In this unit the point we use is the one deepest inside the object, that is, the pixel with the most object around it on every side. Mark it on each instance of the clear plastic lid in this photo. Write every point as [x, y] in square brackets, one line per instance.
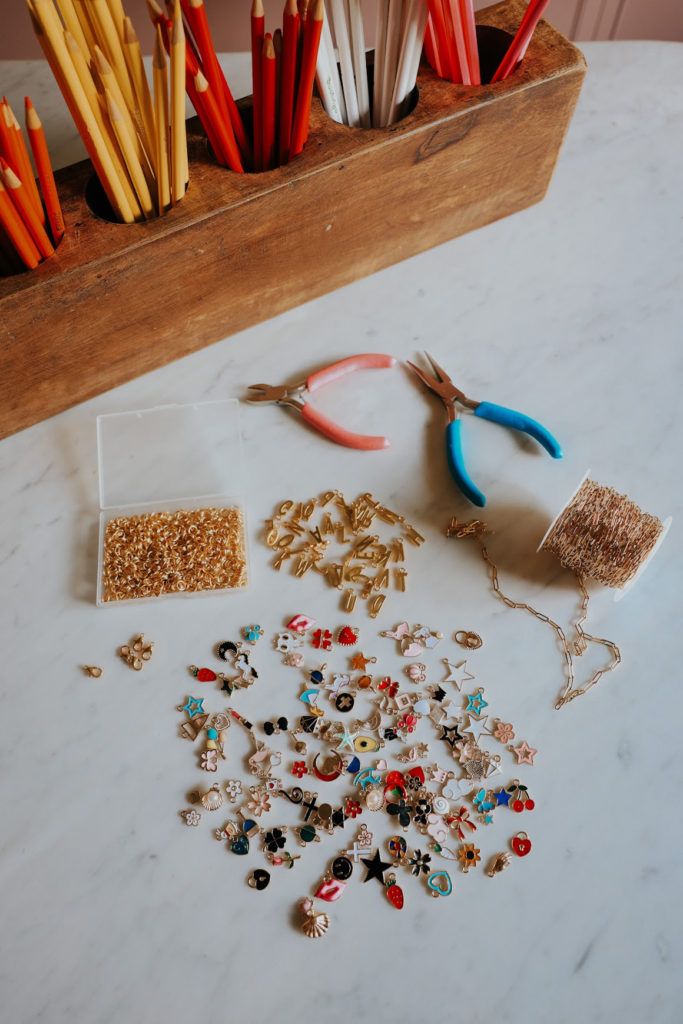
[169, 453]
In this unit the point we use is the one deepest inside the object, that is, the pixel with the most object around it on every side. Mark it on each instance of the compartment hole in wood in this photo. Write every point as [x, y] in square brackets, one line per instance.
[493, 44]
[100, 207]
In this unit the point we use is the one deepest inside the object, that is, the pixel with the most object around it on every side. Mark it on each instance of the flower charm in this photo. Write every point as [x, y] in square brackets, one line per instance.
[414, 783]
[402, 811]
[233, 789]
[252, 633]
[503, 732]
[209, 761]
[274, 840]
[421, 809]
[322, 639]
[419, 863]
[299, 768]
[352, 808]
[407, 723]
[191, 817]
[389, 685]
[469, 856]
[259, 801]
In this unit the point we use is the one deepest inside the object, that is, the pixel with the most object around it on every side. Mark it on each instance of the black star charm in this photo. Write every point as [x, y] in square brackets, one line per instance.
[338, 818]
[450, 734]
[438, 693]
[376, 867]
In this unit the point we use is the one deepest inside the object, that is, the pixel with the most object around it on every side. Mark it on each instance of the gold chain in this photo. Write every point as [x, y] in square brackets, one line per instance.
[478, 529]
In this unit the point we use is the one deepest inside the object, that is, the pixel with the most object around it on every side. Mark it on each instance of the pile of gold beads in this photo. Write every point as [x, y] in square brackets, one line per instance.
[301, 534]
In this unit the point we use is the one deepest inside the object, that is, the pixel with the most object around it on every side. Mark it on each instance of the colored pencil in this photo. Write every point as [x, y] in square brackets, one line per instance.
[268, 75]
[341, 34]
[24, 207]
[160, 79]
[522, 38]
[327, 77]
[312, 33]
[290, 38]
[41, 157]
[258, 28]
[226, 138]
[17, 232]
[179, 165]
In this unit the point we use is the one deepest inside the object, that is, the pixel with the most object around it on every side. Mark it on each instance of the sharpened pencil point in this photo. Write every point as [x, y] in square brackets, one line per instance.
[257, 10]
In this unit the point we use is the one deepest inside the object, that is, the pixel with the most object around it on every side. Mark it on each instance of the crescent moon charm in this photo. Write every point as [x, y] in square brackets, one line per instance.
[328, 776]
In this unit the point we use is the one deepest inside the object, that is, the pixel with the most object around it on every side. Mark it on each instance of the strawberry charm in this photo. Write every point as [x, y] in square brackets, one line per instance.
[203, 675]
[394, 892]
[347, 636]
[521, 844]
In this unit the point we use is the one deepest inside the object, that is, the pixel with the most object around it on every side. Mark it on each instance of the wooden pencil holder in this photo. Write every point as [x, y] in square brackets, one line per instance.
[119, 300]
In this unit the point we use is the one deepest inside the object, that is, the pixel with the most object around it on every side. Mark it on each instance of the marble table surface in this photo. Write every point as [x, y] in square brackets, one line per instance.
[112, 910]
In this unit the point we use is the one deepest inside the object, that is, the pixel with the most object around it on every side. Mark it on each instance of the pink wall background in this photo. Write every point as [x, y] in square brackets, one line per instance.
[580, 19]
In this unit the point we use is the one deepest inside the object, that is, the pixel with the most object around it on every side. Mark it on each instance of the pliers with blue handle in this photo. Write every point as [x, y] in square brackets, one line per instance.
[442, 385]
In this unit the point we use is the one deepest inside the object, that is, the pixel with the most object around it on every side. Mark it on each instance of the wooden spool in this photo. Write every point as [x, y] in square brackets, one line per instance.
[119, 300]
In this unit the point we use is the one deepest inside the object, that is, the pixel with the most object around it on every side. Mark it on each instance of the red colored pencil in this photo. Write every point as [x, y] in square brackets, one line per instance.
[223, 129]
[518, 46]
[258, 28]
[290, 40]
[36, 137]
[312, 32]
[195, 12]
[268, 69]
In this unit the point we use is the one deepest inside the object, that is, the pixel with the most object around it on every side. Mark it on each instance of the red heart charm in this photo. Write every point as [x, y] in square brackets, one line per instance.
[395, 895]
[521, 844]
[347, 636]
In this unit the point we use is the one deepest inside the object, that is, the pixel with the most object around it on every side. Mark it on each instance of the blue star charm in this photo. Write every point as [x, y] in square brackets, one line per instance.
[194, 706]
[476, 702]
[502, 798]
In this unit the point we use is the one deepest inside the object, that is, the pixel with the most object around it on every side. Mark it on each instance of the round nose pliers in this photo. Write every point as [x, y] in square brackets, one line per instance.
[442, 385]
[294, 396]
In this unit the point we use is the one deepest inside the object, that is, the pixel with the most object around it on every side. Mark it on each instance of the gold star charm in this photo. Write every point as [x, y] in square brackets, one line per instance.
[524, 753]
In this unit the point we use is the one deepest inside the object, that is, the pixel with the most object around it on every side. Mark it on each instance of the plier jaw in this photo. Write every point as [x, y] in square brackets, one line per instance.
[282, 394]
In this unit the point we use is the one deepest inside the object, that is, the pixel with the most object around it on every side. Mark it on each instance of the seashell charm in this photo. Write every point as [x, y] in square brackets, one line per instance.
[212, 799]
[314, 924]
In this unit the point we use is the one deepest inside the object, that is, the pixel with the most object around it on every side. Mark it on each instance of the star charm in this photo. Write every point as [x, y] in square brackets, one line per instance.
[524, 753]
[450, 734]
[346, 739]
[376, 867]
[359, 662]
[502, 798]
[476, 727]
[193, 706]
[457, 674]
[438, 693]
[475, 703]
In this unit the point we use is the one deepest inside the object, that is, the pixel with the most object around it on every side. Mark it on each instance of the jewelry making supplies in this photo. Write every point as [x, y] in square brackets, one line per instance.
[94, 671]
[136, 653]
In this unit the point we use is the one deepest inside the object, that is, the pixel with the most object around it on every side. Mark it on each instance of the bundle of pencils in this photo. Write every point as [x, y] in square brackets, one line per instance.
[520, 43]
[399, 32]
[137, 144]
[451, 41]
[23, 219]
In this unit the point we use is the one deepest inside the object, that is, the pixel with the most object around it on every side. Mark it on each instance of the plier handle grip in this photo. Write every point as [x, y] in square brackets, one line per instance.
[442, 385]
[294, 396]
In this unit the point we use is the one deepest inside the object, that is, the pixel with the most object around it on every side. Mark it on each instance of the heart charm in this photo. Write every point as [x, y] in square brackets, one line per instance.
[410, 649]
[521, 844]
[240, 846]
[259, 879]
[455, 788]
[423, 707]
[347, 636]
[395, 895]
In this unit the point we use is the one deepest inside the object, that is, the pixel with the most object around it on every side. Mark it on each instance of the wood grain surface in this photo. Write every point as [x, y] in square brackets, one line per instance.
[119, 300]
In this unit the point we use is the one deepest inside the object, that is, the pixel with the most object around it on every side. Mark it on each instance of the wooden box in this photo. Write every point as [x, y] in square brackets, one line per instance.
[119, 300]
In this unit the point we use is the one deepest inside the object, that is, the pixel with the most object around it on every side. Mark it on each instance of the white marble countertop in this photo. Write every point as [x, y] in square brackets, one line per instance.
[112, 910]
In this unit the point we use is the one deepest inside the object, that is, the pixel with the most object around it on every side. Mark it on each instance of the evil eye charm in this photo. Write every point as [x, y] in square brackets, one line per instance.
[439, 883]
[397, 847]
[365, 744]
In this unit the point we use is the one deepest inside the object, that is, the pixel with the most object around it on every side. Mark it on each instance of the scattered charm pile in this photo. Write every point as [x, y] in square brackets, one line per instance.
[443, 790]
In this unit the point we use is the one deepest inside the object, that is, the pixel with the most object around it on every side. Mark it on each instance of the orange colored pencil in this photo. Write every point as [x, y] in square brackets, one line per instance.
[41, 156]
[24, 207]
[290, 40]
[258, 28]
[17, 232]
[26, 173]
[223, 131]
[312, 32]
[268, 68]
[8, 138]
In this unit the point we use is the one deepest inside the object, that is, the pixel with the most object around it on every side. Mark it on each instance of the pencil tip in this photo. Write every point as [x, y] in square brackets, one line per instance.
[201, 84]
[101, 62]
[290, 8]
[268, 48]
[159, 52]
[130, 36]
[319, 10]
[257, 9]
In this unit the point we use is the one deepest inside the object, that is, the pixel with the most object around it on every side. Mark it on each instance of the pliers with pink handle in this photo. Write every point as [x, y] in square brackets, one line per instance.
[294, 396]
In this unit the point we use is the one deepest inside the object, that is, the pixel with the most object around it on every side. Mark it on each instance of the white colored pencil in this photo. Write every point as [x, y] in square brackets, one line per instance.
[380, 47]
[360, 66]
[327, 77]
[341, 34]
[393, 40]
[409, 59]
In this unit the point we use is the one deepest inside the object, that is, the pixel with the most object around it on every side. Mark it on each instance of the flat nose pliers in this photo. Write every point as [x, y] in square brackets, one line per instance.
[442, 385]
[294, 396]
